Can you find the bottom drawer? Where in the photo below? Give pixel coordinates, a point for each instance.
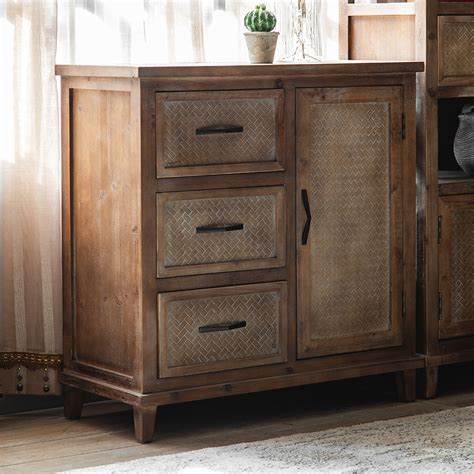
(222, 328)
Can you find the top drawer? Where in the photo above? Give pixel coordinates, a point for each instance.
(221, 132)
(456, 50)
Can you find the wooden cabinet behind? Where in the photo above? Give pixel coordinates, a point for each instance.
(230, 229)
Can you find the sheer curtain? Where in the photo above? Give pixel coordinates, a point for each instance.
(92, 32)
(170, 31)
(30, 304)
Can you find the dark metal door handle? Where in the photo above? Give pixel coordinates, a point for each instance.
(304, 197)
(219, 130)
(218, 228)
(223, 326)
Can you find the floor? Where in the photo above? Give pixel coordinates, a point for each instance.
(43, 441)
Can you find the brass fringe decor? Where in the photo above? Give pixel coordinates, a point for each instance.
(30, 360)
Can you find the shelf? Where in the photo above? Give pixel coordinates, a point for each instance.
(456, 8)
(381, 9)
(454, 182)
(453, 92)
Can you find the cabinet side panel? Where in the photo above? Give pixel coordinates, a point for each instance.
(105, 221)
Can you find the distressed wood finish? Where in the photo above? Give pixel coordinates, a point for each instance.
(444, 40)
(351, 281)
(255, 142)
(119, 294)
(185, 349)
(367, 30)
(456, 266)
(105, 222)
(259, 243)
(441, 80)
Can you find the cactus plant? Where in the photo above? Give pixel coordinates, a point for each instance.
(260, 19)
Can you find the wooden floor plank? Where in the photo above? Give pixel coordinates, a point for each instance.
(45, 442)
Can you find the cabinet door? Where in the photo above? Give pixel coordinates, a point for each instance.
(350, 219)
(456, 266)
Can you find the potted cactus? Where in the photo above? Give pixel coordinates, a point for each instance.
(261, 39)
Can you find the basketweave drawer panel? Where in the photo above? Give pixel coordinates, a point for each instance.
(220, 230)
(456, 50)
(206, 133)
(222, 328)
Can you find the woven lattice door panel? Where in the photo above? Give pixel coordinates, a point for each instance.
(348, 271)
(456, 50)
(224, 230)
(202, 133)
(222, 328)
(456, 266)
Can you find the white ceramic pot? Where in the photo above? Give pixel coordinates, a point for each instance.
(261, 46)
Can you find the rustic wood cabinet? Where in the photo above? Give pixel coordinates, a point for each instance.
(442, 35)
(230, 229)
(446, 44)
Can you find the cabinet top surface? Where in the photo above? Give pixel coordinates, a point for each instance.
(219, 70)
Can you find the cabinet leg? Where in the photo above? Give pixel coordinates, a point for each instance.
(406, 385)
(73, 401)
(430, 382)
(144, 419)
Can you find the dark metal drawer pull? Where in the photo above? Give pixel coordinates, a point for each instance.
(304, 237)
(218, 228)
(223, 327)
(218, 130)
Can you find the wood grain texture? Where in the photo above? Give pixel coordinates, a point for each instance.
(144, 420)
(372, 37)
(366, 31)
(232, 70)
(103, 435)
(106, 227)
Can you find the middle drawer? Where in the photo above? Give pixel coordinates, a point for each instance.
(220, 230)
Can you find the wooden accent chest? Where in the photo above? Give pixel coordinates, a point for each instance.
(230, 229)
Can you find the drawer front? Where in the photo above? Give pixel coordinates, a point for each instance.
(456, 50)
(222, 328)
(222, 230)
(204, 133)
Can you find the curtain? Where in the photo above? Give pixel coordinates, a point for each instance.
(173, 31)
(34, 34)
(30, 271)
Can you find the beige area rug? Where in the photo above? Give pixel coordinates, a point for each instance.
(437, 442)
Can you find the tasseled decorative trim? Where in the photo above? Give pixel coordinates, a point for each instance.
(30, 360)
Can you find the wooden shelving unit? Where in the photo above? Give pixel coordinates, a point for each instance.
(367, 30)
(445, 37)
(441, 34)
(454, 182)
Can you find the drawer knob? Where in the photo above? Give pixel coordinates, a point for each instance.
(219, 130)
(223, 326)
(218, 228)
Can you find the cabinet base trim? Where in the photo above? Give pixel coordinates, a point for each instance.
(451, 358)
(134, 398)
